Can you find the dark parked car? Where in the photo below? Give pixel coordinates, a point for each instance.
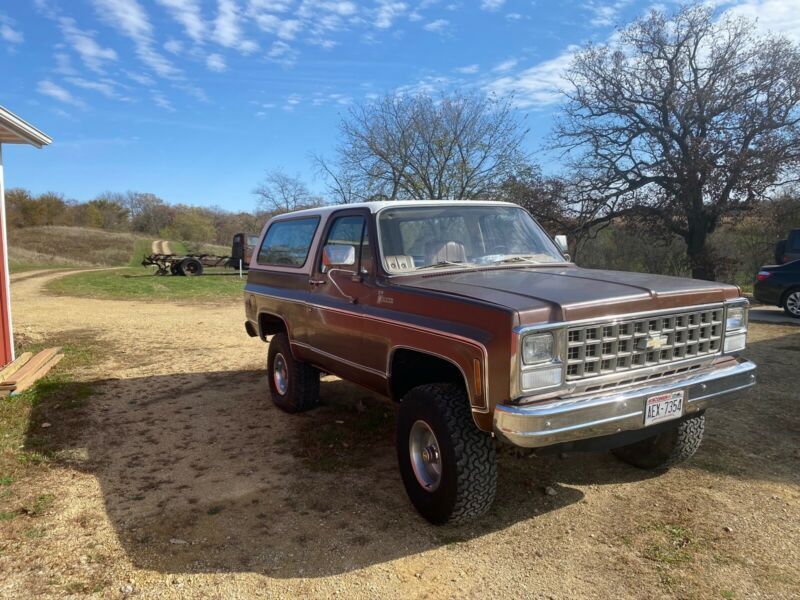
(789, 249)
(780, 285)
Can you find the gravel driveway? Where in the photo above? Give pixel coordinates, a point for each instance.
(178, 479)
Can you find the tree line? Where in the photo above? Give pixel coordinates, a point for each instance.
(134, 212)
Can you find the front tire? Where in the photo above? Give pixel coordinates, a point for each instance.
(791, 303)
(448, 465)
(666, 449)
(294, 384)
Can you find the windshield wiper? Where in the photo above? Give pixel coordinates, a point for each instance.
(441, 263)
(517, 258)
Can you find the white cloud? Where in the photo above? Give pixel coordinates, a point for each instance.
(141, 78)
(514, 16)
(437, 26)
(188, 14)
(468, 69)
(506, 65)
(128, 17)
(292, 101)
(64, 64)
(161, 101)
(173, 46)
(216, 63)
(227, 28)
(492, 4)
(92, 54)
(537, 86)
(8, 33)
(776, 16)
(282, 53)
(104, 87)
(603, 13)
(387, 12)
(48, 88)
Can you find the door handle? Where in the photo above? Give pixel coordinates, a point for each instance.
(316, 281)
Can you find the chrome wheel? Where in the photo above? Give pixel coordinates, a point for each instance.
(426, 459)
(793, 303)
(280, 374)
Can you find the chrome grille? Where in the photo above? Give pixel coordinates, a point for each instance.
(621, 346)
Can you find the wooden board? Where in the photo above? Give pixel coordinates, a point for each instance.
(9, 370)
(25, 383)
(31, 366)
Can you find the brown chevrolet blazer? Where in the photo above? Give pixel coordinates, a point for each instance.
(476, 322)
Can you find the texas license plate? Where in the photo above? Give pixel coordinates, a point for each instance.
(663, 407)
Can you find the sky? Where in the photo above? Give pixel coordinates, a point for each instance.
(194, 100)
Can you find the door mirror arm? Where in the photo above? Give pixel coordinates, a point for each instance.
(351, 299)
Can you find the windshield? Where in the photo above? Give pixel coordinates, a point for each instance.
(459, 236)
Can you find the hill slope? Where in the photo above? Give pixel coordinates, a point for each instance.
(50, 247)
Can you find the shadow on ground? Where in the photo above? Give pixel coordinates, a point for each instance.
(201, 473)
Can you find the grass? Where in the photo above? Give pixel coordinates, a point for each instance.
(71, 246)
(138, 284)
(25, 444)
(19, 265)
(674, 544)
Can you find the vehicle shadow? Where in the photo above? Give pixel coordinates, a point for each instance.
(201, 473)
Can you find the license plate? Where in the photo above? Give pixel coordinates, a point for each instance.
(663, 407)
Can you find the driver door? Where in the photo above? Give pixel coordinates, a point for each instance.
(335, 315)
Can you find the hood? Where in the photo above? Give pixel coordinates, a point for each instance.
(565, 293)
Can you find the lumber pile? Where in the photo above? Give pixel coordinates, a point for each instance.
(27, 370)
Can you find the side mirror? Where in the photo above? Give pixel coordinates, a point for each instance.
(338, 255)
(561, 242)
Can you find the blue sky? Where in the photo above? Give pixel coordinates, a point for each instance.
(194, 100)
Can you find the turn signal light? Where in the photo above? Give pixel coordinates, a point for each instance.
(762, 275)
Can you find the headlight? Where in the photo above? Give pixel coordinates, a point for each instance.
(736, 318)
(537, 348)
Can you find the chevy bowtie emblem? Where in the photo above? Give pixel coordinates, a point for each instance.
(653, 341)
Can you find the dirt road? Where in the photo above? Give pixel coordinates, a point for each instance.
(180, 479)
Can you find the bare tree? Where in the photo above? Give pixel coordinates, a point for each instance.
(682, 120)
(448, 147)
(280, 193)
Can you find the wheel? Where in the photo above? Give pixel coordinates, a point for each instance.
(791, 303)
(175, 269)
(294, 384)
(665, 449)
(191, 267)
(448, 465)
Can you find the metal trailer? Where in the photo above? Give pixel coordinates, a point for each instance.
(191, 265)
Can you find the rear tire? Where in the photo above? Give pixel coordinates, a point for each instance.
(294, 384)
(448, 465)
(791, 303)
(666, 449)
(191, 267)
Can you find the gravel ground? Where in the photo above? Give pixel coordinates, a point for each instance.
(180, 479)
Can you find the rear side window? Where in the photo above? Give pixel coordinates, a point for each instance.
(794, 241)
(287, 242)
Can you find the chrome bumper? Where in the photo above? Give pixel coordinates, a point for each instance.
(590, 415)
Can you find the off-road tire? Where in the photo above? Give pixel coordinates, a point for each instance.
(191, 267)
(666, 449)
(786, 302)
(302, 391)
(469, 466)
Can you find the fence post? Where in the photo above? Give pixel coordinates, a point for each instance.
(241, 273)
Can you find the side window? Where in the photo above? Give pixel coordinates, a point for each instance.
(287, 242)
(348, 231)
(794, 241)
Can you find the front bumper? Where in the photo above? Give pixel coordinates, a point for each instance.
(591, 415)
